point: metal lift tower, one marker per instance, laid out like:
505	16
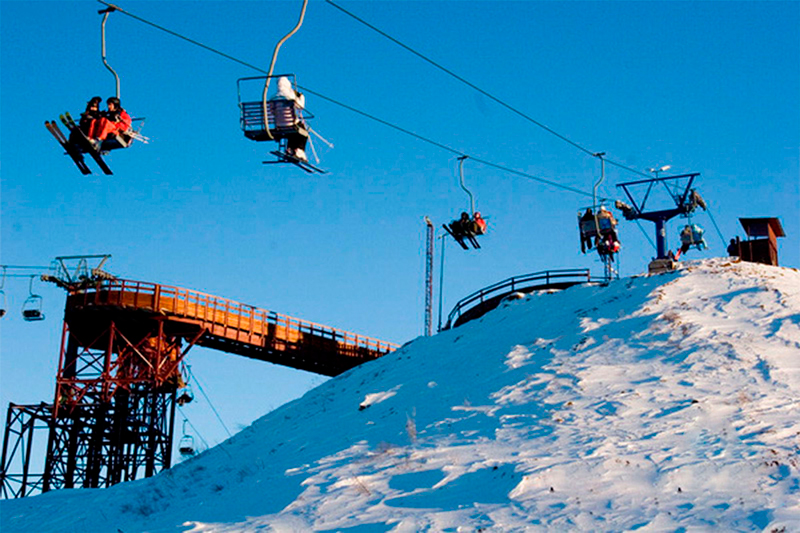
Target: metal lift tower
686	200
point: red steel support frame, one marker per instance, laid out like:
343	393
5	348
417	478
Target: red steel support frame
114	408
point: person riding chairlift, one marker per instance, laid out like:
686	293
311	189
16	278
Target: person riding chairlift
691	236
289	116
478	224
112	122
462	226
91	114
587	228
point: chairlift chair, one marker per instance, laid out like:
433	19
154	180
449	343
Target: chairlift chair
284	119
32	306
185	395
597	227
186	446
467	228
76	143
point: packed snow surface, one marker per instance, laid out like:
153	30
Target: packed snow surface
654	403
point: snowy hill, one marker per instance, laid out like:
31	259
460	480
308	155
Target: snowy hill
657	403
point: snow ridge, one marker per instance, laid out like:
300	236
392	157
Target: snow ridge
653	403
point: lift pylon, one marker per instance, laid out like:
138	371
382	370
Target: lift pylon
681	196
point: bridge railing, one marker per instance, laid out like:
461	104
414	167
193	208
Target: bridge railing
514	284
228	318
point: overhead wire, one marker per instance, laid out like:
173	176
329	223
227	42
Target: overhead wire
480	90
210	404
721	237
373	117
348	107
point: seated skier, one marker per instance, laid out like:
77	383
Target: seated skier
478	224
90	114
287	106
587	228
112	122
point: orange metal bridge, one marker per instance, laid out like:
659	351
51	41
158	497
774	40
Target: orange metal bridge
113	414
221	324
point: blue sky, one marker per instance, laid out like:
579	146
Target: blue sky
708	87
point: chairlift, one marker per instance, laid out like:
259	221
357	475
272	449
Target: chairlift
281	118
466	228
32	306
185	395
597	224
598	229
691	236
186	445
78	141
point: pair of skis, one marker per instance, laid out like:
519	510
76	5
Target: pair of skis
284	157
460	238
76	149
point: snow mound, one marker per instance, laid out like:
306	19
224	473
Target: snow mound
653	403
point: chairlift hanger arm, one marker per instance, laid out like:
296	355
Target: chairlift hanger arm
461	174
106	12
272	64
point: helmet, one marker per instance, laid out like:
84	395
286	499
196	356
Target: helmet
477	214
114	100
95	100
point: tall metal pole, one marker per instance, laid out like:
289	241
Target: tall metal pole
429	277
441	284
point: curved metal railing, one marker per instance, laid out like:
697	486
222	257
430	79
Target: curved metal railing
528	282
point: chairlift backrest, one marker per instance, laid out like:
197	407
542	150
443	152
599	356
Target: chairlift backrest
283	116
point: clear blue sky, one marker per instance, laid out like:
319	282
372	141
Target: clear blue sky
708	87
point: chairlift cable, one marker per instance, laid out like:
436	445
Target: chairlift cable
214	409
721	238
483	92
646	235
362	113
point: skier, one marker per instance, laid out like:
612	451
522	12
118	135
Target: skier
114	121
287	106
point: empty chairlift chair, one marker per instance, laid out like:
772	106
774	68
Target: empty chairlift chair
32	306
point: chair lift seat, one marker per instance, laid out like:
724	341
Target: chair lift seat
186	446
31	315
32	309
281	115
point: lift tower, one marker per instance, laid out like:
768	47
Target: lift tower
122	345
680	191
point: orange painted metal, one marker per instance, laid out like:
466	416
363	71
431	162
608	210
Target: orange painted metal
228	325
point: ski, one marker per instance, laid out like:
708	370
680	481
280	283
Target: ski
88	147
70	149
303	164
459	241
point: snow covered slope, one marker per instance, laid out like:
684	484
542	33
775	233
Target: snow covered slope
657	403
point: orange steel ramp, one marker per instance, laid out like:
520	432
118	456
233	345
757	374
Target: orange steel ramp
218	323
